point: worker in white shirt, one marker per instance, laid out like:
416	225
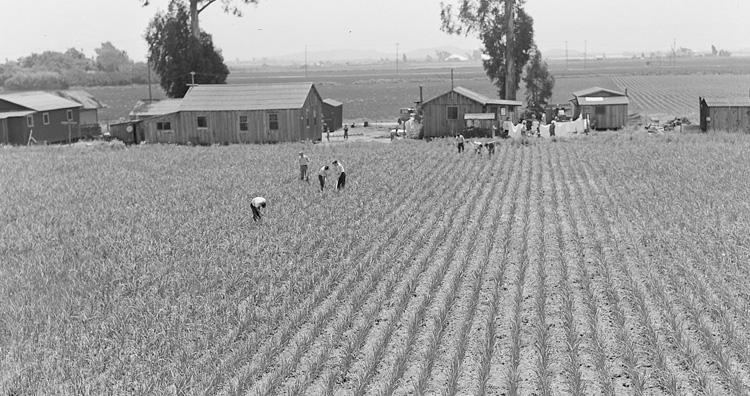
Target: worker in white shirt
342	175
460	143
255	205
303	162
322	176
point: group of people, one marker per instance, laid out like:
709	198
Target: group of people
478	146
323	172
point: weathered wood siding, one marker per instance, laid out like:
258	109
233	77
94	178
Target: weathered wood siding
223	127
436	122
730	119
54	132
333	116
614	117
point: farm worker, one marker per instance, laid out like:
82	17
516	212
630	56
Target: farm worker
490	148
460	141
342	175
328	134
255	205
322	176
534	125
303	162
552	128
544	118
507	126
478	147
346	131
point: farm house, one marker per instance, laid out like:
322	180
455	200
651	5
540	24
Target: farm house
257	113
445	115
605	108
333	114
37	116
732	115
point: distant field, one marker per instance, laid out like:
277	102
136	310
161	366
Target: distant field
376	92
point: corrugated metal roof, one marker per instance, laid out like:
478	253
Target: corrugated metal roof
219	97
608	100
39	101
86	99
145	108
331	102
479	98
595	90
728	102
11	114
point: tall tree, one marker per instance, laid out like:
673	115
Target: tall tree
175	53
487	20
197	6
111	59
539	83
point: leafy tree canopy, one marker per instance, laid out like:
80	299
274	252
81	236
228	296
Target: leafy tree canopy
197	6
539	83
487	20
174	52
111	59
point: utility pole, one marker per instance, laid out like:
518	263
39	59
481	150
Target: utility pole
566	55
585	46
397	61
510	75
305	60
674	53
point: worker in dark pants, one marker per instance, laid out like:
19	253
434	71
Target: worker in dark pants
341	183
255	205
322	176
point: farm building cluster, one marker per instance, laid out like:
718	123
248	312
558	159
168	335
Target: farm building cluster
271	113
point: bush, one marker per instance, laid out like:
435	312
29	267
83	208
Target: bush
43	80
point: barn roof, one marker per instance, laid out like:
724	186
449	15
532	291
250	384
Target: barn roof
331	102
246	97
728	102
88	101
39	101
146	108
593	91
477	97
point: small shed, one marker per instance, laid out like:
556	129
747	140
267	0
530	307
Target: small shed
445	115
333	114
36	116
605	108
89	112
731	115
241	113
151	108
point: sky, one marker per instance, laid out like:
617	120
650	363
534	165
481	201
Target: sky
280	27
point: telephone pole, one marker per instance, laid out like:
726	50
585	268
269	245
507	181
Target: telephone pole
397	61
510	75
566	55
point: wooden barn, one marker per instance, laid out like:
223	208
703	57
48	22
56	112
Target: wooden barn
731	115
257	113
37	117
89	111
605	108
333	114
445	115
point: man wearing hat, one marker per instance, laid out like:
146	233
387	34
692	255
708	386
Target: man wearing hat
303	162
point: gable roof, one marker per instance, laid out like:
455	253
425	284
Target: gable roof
728	102
39	101
246	97
479	98
88	101
596	90
331	102
146	108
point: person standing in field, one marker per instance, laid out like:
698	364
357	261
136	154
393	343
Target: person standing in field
534	125
323	176
460	142
255	205
341	183
303	162
346	132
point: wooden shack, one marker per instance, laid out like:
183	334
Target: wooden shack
731	115
445	115
38	117
605	108
254	113
333	114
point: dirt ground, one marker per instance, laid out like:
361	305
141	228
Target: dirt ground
374	132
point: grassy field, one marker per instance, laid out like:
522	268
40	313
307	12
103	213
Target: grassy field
611	264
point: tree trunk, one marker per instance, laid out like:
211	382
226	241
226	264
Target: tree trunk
510	72
194	27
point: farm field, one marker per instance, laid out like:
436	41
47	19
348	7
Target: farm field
611	264
376	92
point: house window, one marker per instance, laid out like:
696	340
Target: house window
599	110
273	121
315	117
503	111
452	112
30	120
202	122
69	115
164	126
243	123
45	118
